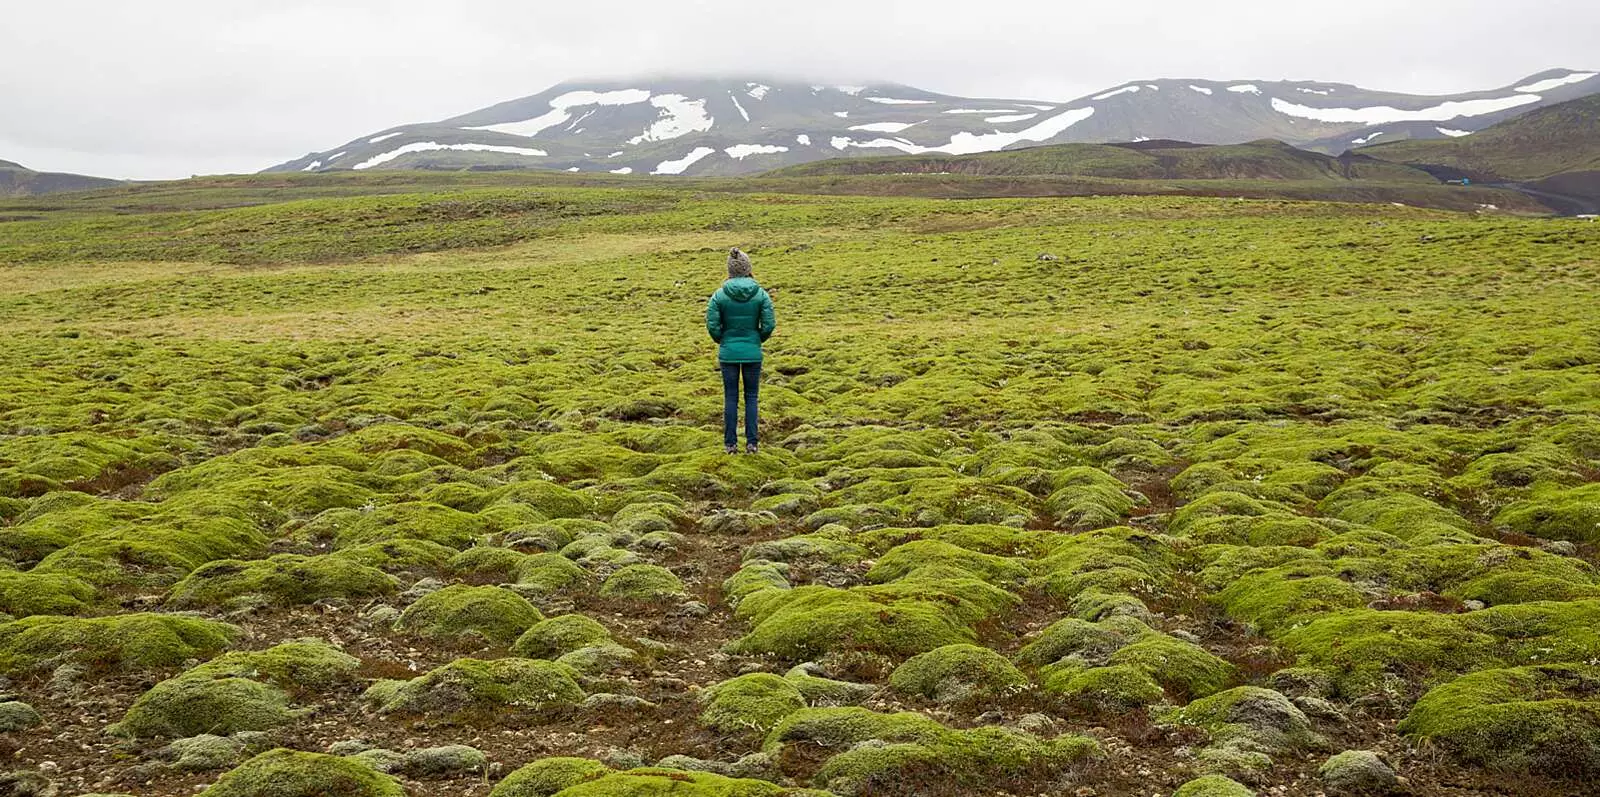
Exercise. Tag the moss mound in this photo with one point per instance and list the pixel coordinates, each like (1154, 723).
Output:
(289, 773)
(659, 782)
(750, 704)
(495, 614)
(958, 673)
(557, 636)
(470, 688)
(242, 691)
(1539, 720)
(1213, 786)
(124, 643)
(548, 776)
(643, 583)
(286, 579)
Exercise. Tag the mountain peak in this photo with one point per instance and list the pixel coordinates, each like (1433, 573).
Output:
(737, 124)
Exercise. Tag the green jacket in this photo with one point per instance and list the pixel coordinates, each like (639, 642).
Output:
(740, 318)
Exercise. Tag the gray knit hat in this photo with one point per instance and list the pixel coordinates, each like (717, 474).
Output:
(738, 264)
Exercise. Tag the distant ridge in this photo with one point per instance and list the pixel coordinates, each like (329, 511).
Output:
(18, 180)
(749, 124)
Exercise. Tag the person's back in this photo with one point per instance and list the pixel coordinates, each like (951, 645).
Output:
(740, 317)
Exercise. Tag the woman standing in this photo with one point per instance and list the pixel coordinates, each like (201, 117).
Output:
(740, 318)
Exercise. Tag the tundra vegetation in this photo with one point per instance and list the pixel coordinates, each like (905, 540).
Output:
(405, 485)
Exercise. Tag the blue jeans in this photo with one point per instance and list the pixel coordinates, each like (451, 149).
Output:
(731, 374)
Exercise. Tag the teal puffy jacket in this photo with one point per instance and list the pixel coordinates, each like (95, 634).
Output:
(740, 318)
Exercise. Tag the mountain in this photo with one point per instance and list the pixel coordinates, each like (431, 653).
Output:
(1552, 154)
(1148, 160)
(710, 127)
(18, 180)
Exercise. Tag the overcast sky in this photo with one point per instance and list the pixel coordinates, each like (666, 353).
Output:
(169, 88)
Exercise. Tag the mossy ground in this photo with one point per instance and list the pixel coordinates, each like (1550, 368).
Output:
(1003, 503)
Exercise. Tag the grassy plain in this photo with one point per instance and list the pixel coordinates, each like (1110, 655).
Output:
(1111, 493)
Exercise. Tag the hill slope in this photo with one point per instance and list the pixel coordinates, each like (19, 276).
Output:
(1151, 160)
(741, 125)
(19, 180)
(1546, 142)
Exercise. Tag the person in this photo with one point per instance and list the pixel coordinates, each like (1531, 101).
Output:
(740, 318)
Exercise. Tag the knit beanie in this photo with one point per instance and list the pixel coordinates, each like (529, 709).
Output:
(738, 264)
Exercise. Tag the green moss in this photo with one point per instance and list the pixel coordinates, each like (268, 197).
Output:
(550, 573)
(470, 688)
(548, 639)
(1081, 639)
(122, 643)
(399, 556)
(958, 673)
(547, 776)
(1112, 689)
(24, 594)
(189, 706)
(754, 577)
(1184, 669)
(1556, 514)
(286, 579)
(495, 614)
(904, 560)
(844, 727)
(1363, 650)
(810, 550)
(986, 757)
(673, 783)
(753, 703)
(240, 691)
(1086, 498)
(550, 500)
(1539, 720)
(643, 583)
(1213, 786)
(289, 773)
(16, 715)
(483, 562)
(1249, 716)
(442, 525)
(810, 621)
(1275, 600)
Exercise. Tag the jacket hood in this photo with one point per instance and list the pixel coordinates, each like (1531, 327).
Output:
(741, 289)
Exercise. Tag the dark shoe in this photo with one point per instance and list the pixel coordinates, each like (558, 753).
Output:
(732, 450)
(750, 449)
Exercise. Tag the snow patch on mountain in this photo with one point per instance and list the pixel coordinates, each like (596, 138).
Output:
(897, 101)
(623, 170)
(680, 117)
(742, 111)
(1016, 117)
(1321, 92)
(1201, 89)
(681, 165)
(1365, 139)
(969, 143)
(1114, 92)
(851, 90)
(1445, 131)
(433, 146)
(842, 114)
(886, 127)
(1246, 88)
(384, 137)
(757, 91)
(983, 110)
(742, 151)
(315, 165)
(1557, 82)
(561, 110)
(803, 140)
(1383, 114)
